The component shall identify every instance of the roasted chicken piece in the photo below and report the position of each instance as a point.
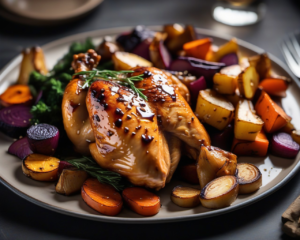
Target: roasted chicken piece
(174, 144)
(75, 115)
(214, 162)
(173, 112)
(128, 139)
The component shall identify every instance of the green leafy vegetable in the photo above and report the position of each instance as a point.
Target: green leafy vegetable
(104, 176)
(118, 76)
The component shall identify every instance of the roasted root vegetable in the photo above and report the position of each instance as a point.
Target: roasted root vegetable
(213, 109)
(33, 60)
(283, 145)
(126, 61)
(185, 196)
(196, 86)
(142, 49)
(248, 82)
(296, 136)
(230, 59)
(40, 167)
(275, 86)
(16, 94)
(188, 173)
(214, 162)
(222, 139)
(20, 148)
(256, 148)
(273, 116)
(229, 47)
(262, 64)
(43, 138)
(141, 201)
(233, 70)
(173, 30)
(235, 97)
(199, 48)
(101, 197)
(106, 49)
(159, 55)
(224, 84)
(249, 178)
(288, 128)
(246, 123)
(220, 193)
(14, 120)
(70, 181)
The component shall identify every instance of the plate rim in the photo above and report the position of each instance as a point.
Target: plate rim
(149, 220)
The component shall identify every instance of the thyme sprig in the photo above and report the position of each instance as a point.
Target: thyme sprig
(118, 76)
(104, 176)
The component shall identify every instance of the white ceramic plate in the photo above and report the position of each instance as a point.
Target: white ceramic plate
(276, 171)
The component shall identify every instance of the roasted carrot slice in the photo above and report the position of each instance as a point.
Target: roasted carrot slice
(274, 86)
(258, 148)
(101, 197)
(141, 201)
(15, 94)
(198, 48)
(273, 115)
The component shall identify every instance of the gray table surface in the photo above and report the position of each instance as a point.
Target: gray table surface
(20, 219)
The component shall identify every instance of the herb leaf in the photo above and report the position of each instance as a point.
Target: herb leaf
(104, 176)
(109, 75)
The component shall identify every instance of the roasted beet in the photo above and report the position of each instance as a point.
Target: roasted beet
(43, 138)
(131, 40)
(142, 49)
(283, 145)
(165, 55)
(230, 59)
(196, 86)
(20, 148)
(64, 165)
(14, 120)
(221, 139)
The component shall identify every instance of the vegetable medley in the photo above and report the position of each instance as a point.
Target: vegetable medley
(237, 99)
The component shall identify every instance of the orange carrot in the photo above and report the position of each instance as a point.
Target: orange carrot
(141, 201)
(15, 94)
(258, 148)
(275, 86)
(273, 115)
(101, 197)
(198, 48)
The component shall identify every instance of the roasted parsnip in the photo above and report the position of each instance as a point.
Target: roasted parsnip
(246, 124)
(213, 109)
(185, 196)
(40, 167)
(249, 178)
(214, 162)
(219, 193)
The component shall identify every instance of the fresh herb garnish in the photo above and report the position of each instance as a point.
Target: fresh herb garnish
(104, 176)
(120, 77)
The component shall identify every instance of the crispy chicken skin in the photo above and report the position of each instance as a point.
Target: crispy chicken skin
(174, 113)
(74, 112)
(128, 140)
(214, 162)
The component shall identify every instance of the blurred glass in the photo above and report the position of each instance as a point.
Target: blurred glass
(239, 12)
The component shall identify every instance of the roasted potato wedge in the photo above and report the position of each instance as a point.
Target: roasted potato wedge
(40, 167)
(229, 47)
(185, 196)
(213, 109)
(214, 162)
(70, 181)
(33, 60)
(233, 70)
(234, 98)
(224, 84)
(173, 30)
(126, 61)
(296, 136)
(249, 178)
(220, 193)
(246, 123)
(262, 65)
(248, 81)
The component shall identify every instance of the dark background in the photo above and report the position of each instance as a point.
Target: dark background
(20, 219)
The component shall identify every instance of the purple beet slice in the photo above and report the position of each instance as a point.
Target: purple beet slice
(43, 138)
(14, 120)
(20, 148)
(283, 145)
(230, 59)
(142, 49)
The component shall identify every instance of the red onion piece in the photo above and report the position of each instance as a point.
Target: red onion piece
(230, 59)
(43, 138)
(282, 145)
(20, 148)
(14, 120)
(165, 55)
(142, 49)
(196, 86)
